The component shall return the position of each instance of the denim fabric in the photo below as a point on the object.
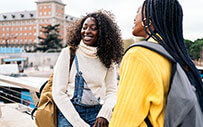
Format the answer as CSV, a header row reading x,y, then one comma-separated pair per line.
x,y
87,112
83,95
62,121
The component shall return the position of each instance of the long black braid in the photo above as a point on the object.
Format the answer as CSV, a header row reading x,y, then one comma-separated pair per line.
x,y
167,18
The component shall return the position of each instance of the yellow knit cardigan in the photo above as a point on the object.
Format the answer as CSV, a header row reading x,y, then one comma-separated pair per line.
x,y
142,90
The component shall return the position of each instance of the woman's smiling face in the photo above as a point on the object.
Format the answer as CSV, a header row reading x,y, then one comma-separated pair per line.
x,y
89,31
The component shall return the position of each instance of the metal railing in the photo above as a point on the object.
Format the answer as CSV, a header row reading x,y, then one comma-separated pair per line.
x,y
15,94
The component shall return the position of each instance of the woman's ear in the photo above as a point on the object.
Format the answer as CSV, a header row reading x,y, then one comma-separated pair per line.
x,y
145,22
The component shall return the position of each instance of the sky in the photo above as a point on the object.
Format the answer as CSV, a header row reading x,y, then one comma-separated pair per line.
x,y
124,11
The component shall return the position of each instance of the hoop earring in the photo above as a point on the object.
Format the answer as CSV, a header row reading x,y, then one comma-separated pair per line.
x,y
150,23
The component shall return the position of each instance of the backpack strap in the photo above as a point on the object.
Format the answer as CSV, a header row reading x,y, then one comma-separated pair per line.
x,y
72,56
147,121
154,47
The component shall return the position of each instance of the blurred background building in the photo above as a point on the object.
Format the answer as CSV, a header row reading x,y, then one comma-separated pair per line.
x,y
21,29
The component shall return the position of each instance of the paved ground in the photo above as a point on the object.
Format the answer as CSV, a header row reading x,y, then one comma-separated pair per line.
x,y
13,116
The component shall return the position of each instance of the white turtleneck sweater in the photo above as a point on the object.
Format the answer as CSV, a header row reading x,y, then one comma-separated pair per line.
x,y
101,80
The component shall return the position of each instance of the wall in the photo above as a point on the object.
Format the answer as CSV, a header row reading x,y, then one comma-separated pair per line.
x,y
35,59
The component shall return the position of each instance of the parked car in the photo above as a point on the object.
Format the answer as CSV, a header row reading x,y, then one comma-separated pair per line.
x,y
200,71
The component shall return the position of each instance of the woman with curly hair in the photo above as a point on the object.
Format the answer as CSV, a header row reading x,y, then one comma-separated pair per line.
x,y
96,38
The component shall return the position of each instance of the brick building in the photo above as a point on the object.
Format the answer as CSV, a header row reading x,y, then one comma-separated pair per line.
x,y
21,29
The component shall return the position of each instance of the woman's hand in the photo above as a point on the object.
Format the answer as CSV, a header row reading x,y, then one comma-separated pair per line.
x,y
101,122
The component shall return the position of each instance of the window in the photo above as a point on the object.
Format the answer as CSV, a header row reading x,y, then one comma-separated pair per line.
x,y
45,13
4,16
25,28
22,15
45,7
3,35
40,13
3,29
16,34
11,28
13,16
30,28
30,34
21,41
25,34
7,29
21,28
16,29
31,15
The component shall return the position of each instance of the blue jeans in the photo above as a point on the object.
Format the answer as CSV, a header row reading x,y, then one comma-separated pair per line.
x,y
88,114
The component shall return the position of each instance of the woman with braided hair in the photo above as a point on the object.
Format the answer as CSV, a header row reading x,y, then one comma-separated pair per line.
x,y
144,74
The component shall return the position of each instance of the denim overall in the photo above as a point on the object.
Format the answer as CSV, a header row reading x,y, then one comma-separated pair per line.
x,y
87,113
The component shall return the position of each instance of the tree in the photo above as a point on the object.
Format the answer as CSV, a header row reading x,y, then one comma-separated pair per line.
x,y
51,39
196,49
188,44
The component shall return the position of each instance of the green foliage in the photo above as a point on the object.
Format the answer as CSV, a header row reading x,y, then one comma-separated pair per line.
x,y
51,40
188,44
194,48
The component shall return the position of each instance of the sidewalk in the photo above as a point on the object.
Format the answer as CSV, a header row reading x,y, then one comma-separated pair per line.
x,y
12,117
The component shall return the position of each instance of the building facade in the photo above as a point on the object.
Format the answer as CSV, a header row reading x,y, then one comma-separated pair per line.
x,y
21,29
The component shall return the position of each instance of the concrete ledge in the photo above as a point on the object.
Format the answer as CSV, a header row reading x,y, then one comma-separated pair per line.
x,y
12,117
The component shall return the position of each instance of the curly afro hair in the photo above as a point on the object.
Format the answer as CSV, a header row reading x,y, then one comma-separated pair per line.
x,y
109,42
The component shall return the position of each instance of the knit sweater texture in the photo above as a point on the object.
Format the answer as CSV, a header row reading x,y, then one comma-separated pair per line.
x,y
101,80
142,90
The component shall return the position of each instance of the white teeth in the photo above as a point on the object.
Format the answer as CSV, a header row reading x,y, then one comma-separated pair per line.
x,y
87,38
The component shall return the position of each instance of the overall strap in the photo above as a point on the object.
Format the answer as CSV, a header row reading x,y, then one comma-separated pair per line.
x,y
76,63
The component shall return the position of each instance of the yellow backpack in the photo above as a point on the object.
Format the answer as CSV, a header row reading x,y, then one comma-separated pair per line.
x,y
46,109
46,113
